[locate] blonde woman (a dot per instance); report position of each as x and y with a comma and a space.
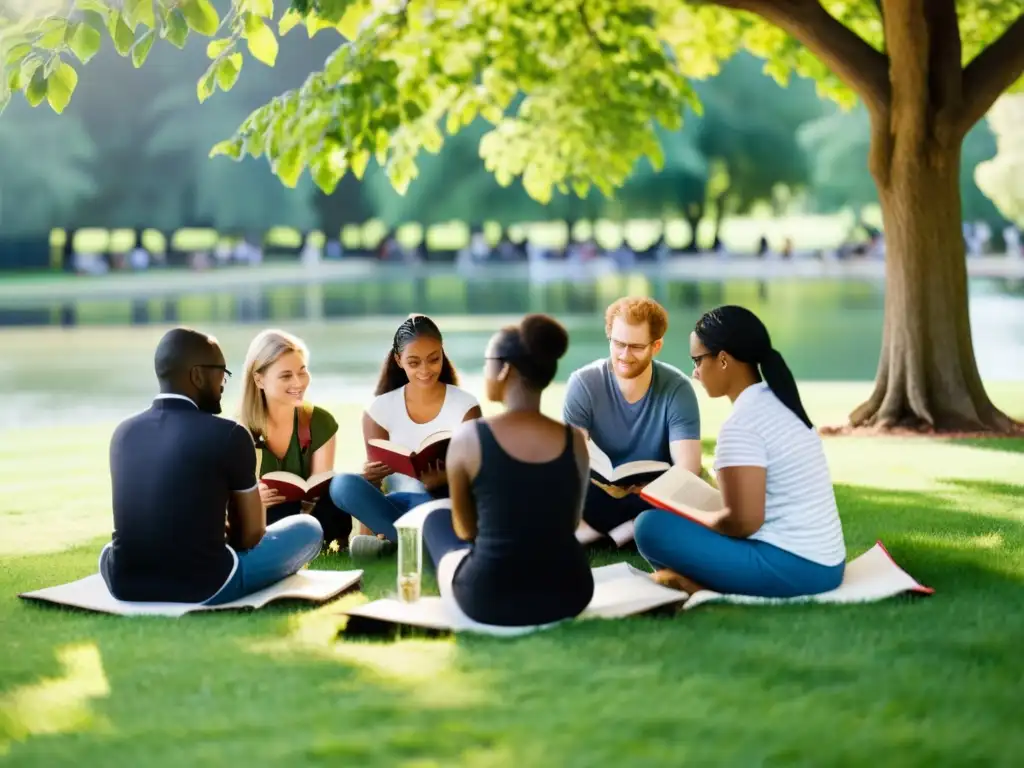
290, 434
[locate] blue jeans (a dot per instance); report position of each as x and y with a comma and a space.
286, 547
376, 510
727, 565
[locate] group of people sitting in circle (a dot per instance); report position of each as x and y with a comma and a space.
194, 523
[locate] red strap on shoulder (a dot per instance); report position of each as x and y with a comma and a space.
305, 418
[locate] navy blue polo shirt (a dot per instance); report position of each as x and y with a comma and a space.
173, 469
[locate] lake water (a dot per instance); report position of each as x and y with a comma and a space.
73, 357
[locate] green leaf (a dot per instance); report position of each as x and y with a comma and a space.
228, 148
216, 47
85, 42
201, 17
60, 85
289, 165
359, 162
142, 48
176, 29
326, 174
264, 8
354, 14
36, 90
288, 22
16, 54
261, 41
206, 84
139, 12
123, 36
53, 36
228, 70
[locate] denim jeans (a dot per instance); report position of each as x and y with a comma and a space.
376, 510
728, 565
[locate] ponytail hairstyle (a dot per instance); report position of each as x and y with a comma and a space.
533, 348
739, 332
415, 326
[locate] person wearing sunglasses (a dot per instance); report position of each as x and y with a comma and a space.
633, 408
189, 526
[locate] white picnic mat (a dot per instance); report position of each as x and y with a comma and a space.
868, 578
91, 594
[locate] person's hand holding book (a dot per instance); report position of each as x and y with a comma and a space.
270, 496
435, 476
376, 471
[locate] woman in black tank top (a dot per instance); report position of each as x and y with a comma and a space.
517, 484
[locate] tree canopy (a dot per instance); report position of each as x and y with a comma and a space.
599, 78
1002, 177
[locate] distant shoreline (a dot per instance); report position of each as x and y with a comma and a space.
17, 290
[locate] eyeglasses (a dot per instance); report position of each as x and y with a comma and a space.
218, 367
697, 359
636, 349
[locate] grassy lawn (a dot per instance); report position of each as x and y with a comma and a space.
907, 682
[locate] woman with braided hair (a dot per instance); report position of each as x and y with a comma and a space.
779, 534
417, 395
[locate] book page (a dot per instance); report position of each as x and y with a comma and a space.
387, 445
682, 489
599, 460
284, 477
436, 437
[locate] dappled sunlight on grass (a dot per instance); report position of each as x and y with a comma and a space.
59, 704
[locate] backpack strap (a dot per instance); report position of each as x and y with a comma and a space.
305, 419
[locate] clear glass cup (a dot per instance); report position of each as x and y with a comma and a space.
410, 563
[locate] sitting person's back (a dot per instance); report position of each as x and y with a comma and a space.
526, 561
188, 523
517, 483
173, 468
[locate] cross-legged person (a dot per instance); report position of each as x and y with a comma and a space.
189, 526
417, 395
633, 407
506, 552
779, 533
291, 435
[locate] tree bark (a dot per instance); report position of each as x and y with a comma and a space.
927, 375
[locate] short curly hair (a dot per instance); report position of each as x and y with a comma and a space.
638, 309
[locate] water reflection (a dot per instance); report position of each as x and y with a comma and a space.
828, 329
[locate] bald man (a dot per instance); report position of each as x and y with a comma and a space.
188, 523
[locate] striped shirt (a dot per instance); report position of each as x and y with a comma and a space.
800, 514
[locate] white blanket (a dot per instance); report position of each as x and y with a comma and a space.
91, 594
620, 590
872, 576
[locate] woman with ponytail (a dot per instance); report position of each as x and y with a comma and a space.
505, 545
779, 534
416, 396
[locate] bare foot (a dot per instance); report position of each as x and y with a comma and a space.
669, 578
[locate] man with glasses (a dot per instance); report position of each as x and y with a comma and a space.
188, 523
633, 408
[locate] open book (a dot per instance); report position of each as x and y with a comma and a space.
294, 488
410, 461
682, 492
624, 475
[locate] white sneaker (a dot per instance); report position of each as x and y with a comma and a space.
363, 546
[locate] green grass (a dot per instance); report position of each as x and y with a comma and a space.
931, 681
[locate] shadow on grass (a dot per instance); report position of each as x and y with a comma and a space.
922, 681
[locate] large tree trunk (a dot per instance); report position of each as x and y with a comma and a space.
927, 375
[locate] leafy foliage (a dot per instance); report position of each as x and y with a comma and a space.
599, 78
1002, 177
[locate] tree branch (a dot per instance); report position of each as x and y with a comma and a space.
945, 77
591, 33
991, 73
856, 63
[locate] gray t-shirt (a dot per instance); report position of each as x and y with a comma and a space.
632, 431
